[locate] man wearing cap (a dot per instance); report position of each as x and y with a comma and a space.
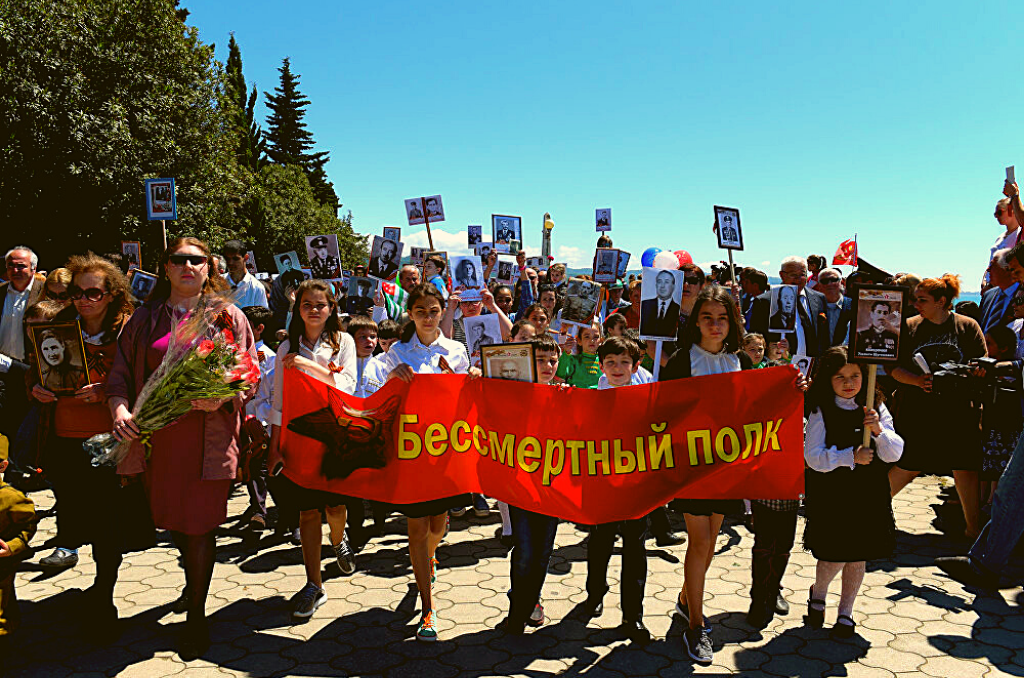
17, 525
322, 265
614, 301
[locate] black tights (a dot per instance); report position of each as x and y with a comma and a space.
198, 551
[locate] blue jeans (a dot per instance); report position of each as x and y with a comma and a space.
1000, 536
533, 540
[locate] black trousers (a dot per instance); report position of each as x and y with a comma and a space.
634, 563
774, 532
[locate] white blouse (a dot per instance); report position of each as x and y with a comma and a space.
371, 375
820, 458
703, 363
323, 354
426, 359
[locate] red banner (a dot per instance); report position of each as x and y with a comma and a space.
583, 455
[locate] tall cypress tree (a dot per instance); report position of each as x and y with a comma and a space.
252, 147
289, 141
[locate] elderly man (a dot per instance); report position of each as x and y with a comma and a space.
811, 333
18, 293
246, 290
838, 308
996, 308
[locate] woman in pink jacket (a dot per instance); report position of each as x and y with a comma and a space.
193, 462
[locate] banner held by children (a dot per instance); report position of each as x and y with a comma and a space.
445, 435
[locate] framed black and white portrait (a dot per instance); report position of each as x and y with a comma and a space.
782, 310
60, 356
803, 363
661, 298
603, 218
481, 330
393, 233
606, 264
322, 253
878, 313
360, 295
506, 270
141, 283
623, 264
483, 250
287, 261
385, 258
417, 255
727, 227
474, 234
513, 362
467, 277
161, 202
131, 251
506, 229
581, 298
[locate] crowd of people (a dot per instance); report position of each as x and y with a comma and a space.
185, 473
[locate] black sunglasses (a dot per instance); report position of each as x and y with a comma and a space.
182, 259
691, 280
91, 294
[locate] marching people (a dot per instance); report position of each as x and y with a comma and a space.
191, 463
847, 504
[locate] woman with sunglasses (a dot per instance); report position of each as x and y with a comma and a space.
56, 285
192, 462
423, 349
101, 302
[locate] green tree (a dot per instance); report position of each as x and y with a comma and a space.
291, 212
252, 147
96, 96
289, 140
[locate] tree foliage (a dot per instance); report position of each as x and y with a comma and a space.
289, 140
251, 147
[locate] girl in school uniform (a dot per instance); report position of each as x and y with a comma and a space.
422, 349
848, 504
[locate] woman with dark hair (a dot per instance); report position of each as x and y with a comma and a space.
317, 346
101, 300
939, 335
423, 349
193, 462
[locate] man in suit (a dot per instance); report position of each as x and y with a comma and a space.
996, 308
838, 307
660, 316
811, 333
384, 265
19, 292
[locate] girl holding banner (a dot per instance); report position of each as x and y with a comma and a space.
422, 349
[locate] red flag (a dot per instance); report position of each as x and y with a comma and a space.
846, 254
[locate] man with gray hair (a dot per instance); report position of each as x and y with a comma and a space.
838, 308
996, 306
18, 293
811, 336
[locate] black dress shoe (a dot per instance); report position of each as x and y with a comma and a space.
593, 607
668, 539
194, 640
760, 614
781, 606
635, 631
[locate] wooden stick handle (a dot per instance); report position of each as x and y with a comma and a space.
872, 369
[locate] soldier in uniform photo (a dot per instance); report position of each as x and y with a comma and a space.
322, 264
877, 338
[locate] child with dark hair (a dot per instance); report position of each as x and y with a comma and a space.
848, 504
259, 317
533, 534
619, 359
388, 332
614, 325
582, 368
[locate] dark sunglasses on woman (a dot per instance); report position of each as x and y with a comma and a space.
91, 294
182, 259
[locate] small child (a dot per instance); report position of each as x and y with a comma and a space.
259, 317
523, 330
533, 534
619, 359
583, 368
754, 346
388, 332
370, 376
17, 525
847, 504
433, 273
614, 325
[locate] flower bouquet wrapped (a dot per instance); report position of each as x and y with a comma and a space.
202, 362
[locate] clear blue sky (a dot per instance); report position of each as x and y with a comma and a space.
817, 120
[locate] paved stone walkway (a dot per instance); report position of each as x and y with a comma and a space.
912, 620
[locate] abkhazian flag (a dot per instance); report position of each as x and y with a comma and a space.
394, 299
846, 254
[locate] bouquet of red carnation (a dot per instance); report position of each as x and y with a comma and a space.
202, 362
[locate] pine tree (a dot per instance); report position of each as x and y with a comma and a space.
252, 147
289, 141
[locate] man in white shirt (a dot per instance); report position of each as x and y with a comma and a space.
1006, 218
246, 290
16, 295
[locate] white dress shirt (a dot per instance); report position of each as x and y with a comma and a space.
824, 459
703, 363
325, 356
370, 375
426, 359
12, 332
248, 292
